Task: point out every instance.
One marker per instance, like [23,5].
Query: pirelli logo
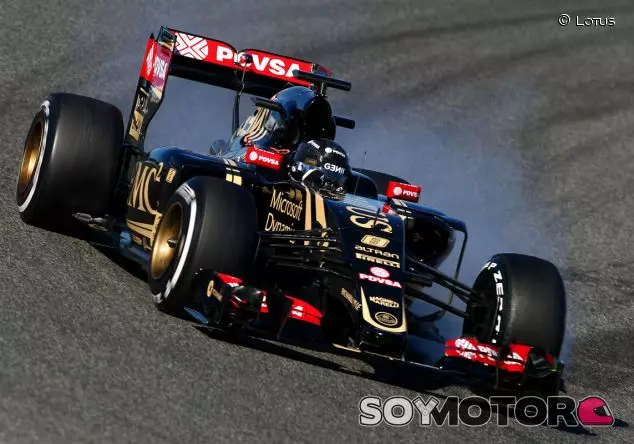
[377,260]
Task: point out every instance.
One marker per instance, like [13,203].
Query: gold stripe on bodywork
[232,173]
[237,178]
[320,215]
[368,317]
[229,175]
[308,216]
[146,230]
[343,347]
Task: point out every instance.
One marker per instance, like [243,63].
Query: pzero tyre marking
[188,194]
[36,174]
[498,280]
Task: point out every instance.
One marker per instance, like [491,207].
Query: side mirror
[218,147]
[403,191]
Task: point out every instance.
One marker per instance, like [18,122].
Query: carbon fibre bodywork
[358,244]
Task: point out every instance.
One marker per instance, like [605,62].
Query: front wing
[513,366]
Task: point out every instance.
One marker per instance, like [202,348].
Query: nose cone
[382,342]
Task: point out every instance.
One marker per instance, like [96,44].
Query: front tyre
[524,302]
[209,224]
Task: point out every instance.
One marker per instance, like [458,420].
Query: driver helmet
[267,129]
[322,165]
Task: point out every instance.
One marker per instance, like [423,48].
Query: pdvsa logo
[263,158]
[261,62]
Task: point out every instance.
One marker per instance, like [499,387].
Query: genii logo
[335,168]
[594,412]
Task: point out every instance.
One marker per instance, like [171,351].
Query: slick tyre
[524,302]
[209,224]
[70,162]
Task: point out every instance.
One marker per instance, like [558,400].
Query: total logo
[264,159]
[380,276]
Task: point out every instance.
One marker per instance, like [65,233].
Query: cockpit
[280,124]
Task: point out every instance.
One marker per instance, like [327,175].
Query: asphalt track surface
[520,126]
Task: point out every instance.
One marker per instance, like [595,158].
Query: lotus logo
[386,319]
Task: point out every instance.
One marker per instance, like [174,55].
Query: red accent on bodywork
[227,279]
[147,67]
[474,351]
[162,61]
[156,64]
[388,210]
[220,53]
[300,310]
[265,159]
[403,191]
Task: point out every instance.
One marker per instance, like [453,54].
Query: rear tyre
[524,302]
[209,224]
[71,161]
[380,179]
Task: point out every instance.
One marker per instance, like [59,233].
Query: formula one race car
[273,232]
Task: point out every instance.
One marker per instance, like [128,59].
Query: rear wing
[201,59]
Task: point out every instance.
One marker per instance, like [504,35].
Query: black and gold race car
[274,229]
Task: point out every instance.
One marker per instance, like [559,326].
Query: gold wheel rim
[31,156]
[166,241]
